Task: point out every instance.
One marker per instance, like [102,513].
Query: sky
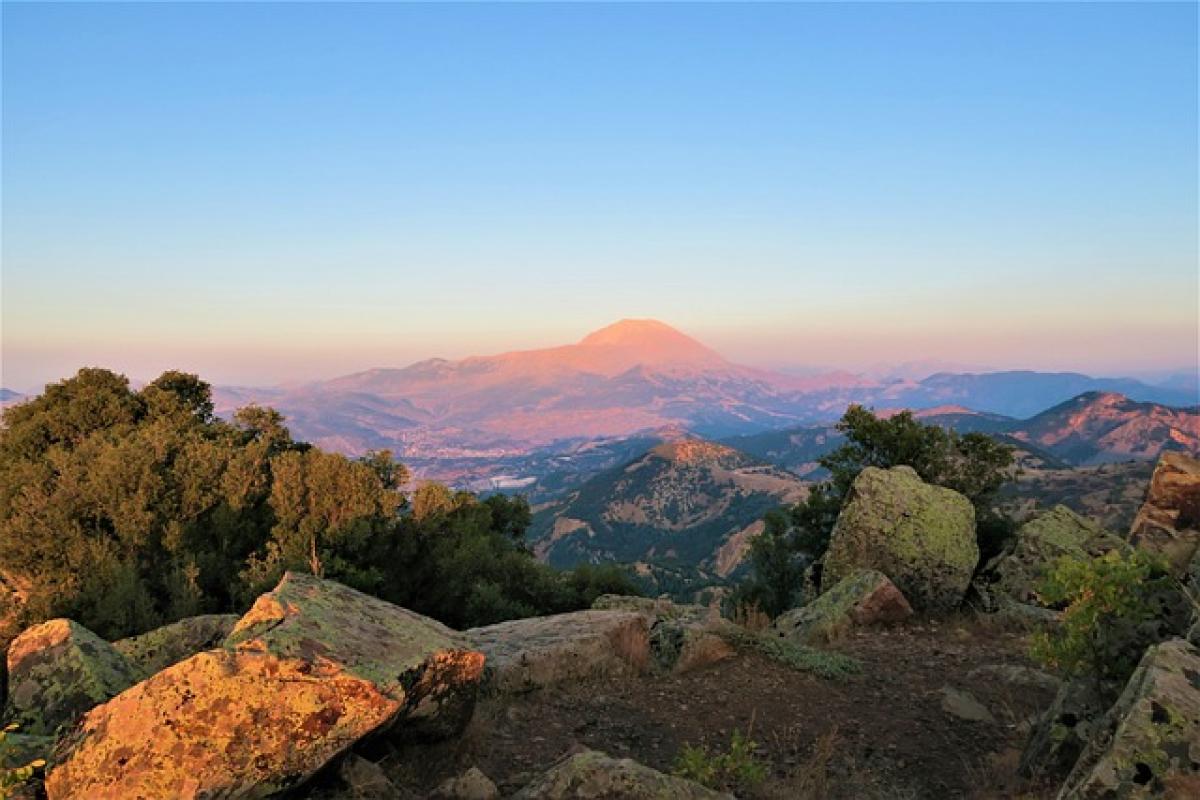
[279,192]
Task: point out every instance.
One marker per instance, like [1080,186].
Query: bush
[14,777]
[737,769]
[1114,607]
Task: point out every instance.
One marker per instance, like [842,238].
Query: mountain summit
[650,342]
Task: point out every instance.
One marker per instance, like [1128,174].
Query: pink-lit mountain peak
[650,342]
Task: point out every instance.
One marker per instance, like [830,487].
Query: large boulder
[527,654]
[1150,739]
[310,670]
[683,637]
[58,670]
[1016,573]
[592,775]
[160,648]
[1169,521]
[921,536]
[865,597]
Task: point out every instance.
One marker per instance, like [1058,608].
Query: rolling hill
[689,502]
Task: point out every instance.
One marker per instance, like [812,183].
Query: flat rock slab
[527,654]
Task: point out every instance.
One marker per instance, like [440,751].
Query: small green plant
[822,663]
[1113,607]
[737,769]
[12,778]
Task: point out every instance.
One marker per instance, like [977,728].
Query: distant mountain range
[1092,428]
[630,378]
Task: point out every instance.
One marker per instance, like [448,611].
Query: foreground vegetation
[128,509]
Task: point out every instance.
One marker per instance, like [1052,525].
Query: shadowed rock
[866,597]
[592,774]
[310,670]
[527,654]
[682,637]
[1039,543]
[1151,736]
[160,648]
[921,536]
[58,670]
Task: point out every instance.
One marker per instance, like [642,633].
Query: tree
[973,464]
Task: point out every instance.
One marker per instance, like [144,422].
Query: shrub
[12,778]
[737,769]
[1114,607]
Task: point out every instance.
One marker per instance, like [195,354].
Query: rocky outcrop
[1169,521]
[682,637]
[160,648]
[863,598]
[310,670]
[527,654]
[1016,573]
[592,775]
[57,671]
[921,536]
[1151,736]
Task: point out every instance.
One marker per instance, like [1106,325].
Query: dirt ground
[880,734]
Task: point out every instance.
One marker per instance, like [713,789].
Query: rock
[311,669]
[365,780]
[1017,676]
[1039,543]
[160,648]
[1169,521]
[963,705]
[921,536]
[1060,734]
[534,653]
[865,597]
[1151,736]
[471,785]
[57,671]
[682,637]
[592,775]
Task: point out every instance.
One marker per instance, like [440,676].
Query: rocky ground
[883,733]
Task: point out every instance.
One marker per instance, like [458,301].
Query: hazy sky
[271,192]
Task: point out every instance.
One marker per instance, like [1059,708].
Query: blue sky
[275,192]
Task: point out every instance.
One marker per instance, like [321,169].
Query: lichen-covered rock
[1168,522]
[527,654]
[1039,543]
[592,775]
[1151,736]
[58,670]
[1060,734]
[160,648]
[865,597]
[682,637]
[310,670]
[921,536]
[365,780]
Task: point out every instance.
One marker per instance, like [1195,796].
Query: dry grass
[751,618]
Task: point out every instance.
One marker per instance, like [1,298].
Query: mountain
[689,502]
[475,417]
[10,398]
[1092,428]
[1101,427]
